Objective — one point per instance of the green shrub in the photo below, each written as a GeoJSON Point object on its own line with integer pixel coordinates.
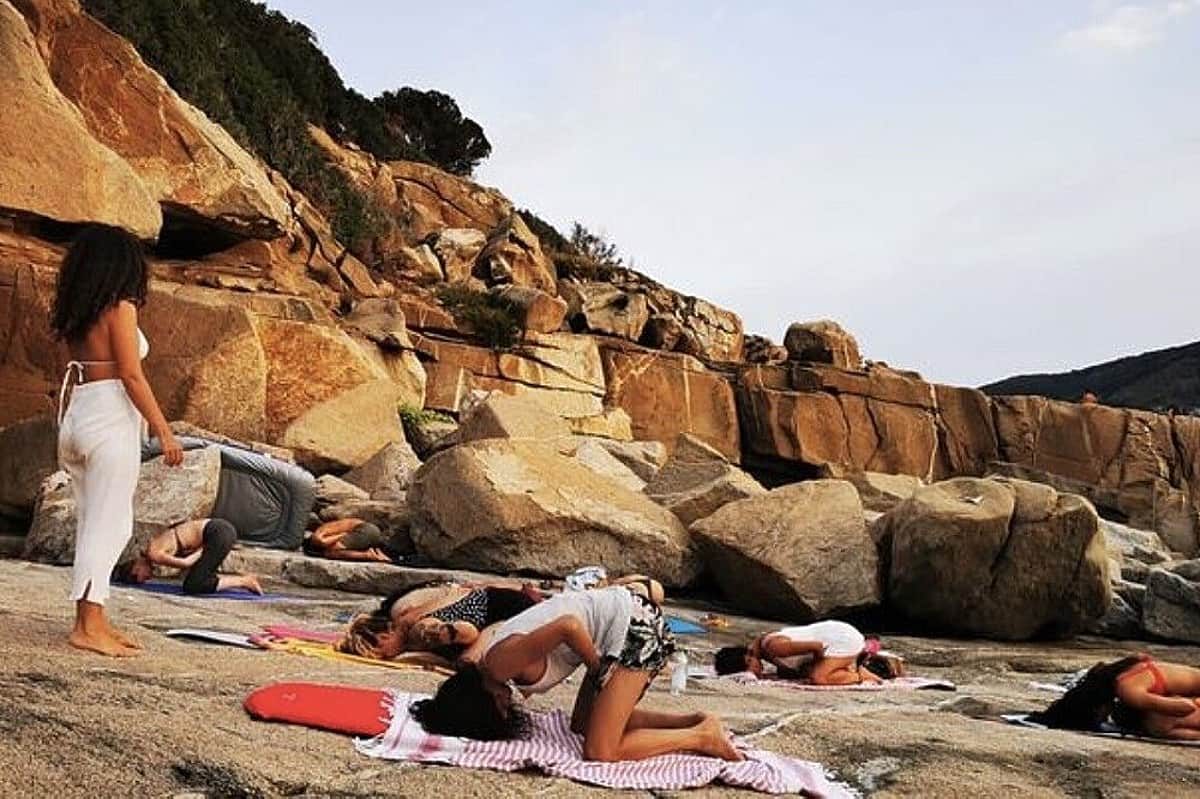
{"type": "Point", "coordinates": [264, 79]}
{"type": "Point", "coordinates": [497, 322]}
{"type": "Point", "coordinates": [412, 416]}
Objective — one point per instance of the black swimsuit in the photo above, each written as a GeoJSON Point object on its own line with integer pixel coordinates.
{"type": "Point", "coordinates": [484, 607]}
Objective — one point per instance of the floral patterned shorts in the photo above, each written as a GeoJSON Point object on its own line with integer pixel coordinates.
{"type": "Point", "coordinates": [648, 643]}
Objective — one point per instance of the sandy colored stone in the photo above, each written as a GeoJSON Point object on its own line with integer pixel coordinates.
{"type": "Point", "coordinates": [51, 165]}
{"type": "Point", "coordinates": [644, 458]}
{"type": "Point", "coordinates": [605, 309]}
{"type": "Point", "coordinates": [28, 455]}
{"type": "Point", "coordinates": [386, 474]}
{"type": "Point", "coordinates": [882, 492]}
{"type": "Point", "coordinates": [186, 161]}
{"type": "Point", "coordinates": [823, 341]}
{"type": "Point", "coordinates": [697, 480]}
{"type": "Point", "coordinates": [509, 504]}
{"type": "Point", "coordinates": [966, 432]}
{"type": "Point", "coordinates": [798, 553]}
{"type": "Point", "coordinates": [1003, 567]}
{"type": "Point", "coordinates": [504, 416]}
{"type": "Point", "coordinates": [611, 423]}
{"type": "Point", "coordinates": [514, 255]}
{"type": "Point", "coordinates": [164, 496]}
{"type": "Point", "coordinates": [595, 456]}
{"type": "Point", "coordinates": [456, 250]}
{"type": "Point", "coordinates": [666, 394]}
{"type": "Point", "coordinates": [540, 312]}
{"type": "Point", "coordinates": [431, 200]}
{"type": "Point", "coordinates": [1172, 606]}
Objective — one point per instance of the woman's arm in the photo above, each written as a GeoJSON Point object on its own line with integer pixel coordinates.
{"type": "Point", "coordinates": [330, 533]}
{"type": "Point", "coordinates": [172, 561]}
{"type": "Point", "coordinates": [512, 656]}
{"type": "Point", "coordinates": [123, 338]}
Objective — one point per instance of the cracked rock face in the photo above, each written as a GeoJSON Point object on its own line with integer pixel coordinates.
{"type": "Point", "coordinates": [1010, 560]}
{"type": "Point", "coordinates": [505, 505]}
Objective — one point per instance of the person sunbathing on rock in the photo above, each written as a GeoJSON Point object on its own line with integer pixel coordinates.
{"type": "Point", "coordinates": [443, 618]}
{"type": "Point", "coordinates": [1142, 695]}
{"type": "Point", "coordinates": [824, 653]}
{"type": "Point", "coordinates": [622, 640]}
{"type": "Point", "coordinates": [199, 548]}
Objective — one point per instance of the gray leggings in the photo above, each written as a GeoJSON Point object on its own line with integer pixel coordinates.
{"type": "Point", "coordinates": [219, 538]}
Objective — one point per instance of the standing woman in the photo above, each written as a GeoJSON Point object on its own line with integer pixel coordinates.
{"type": "Point", "coordinates": [102, 283]}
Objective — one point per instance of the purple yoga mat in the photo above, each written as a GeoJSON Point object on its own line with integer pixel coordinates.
{"type": "Point", "coordinates": [173, 589]}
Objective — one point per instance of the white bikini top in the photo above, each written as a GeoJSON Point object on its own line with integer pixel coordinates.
{"type": "Point", "coordinates": [78, 369]}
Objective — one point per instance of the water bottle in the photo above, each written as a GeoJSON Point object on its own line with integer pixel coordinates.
{"type": "Point", "coordinates": [679, 667]}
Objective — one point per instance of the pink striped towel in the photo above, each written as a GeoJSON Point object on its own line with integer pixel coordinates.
{"type": "Point", "coordinates": [897, 684]}
{"type": "Point", "coordinates": [555, 750]}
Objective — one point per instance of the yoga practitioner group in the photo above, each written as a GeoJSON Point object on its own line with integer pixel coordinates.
{"type": "Point", "coordinates": [502, 638]}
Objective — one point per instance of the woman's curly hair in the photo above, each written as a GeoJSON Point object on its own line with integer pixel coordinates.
{"type": "Point", "coordinates": [103, 266]}
{"type": "Point", "coordinates": [362, 636]}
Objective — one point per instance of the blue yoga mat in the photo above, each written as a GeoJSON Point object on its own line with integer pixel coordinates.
{"type": "Point", "coordinates": [683, 626]}
{"type": "Point", "coordinates": [172, 589]}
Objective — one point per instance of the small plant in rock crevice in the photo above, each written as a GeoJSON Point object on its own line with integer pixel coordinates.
{"type": "Point", "coordinates": [497, 322]}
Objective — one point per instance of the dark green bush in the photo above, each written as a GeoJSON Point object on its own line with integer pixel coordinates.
{"type": "Point", "coordinates": [496, 321]}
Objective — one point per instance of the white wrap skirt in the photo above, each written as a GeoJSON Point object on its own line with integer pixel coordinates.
{"type": "Point", "coordinates": [99, 445]}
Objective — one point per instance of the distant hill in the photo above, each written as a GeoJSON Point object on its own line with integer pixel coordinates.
{"type": "Point", "coordinates": [1153, 381]}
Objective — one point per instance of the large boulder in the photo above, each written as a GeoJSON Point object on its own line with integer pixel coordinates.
{"type": "Point", "coordinates": [509, 504]}
{"type": "Point", "coordinates": [595, 456]}
{"type": "Point", "coordinates": [667, 393]}
{"type": "Point", "coordinates": [882, 492]}
{"type": "Point", "coordinates": [387, 474]}
{"type": "Point", "coordinates": [1171, 608]}
{"type": "Point", "coordinates": [188, 163]}
{"type": "Point", "coordinates": [429, 200]}
{"type": "Point", "coordinates": [514, 255]}
{"type": "Point", "coordinates": [51, 165]}
{"type": "Point", "coordinates": [697, 480]}
{"type": "Point", "coordinates": [605, 309]}
{"type": "Point", "coordinates": [504, 416]}
{"type": "Point", "coordinates": [797, 553]}
{"type": "Point", "coordinates": [824, 341]}
{"type": "Point", "coordinates": [28, 455]}
{"type": "Point", "coordinates": [644, 458]}
{"type": "Point", "coordinates": [164, 496]}
{"type": "Point", "coordinates": [538, 311]}
{"type": "Point", "coordinates": [1008, 560]}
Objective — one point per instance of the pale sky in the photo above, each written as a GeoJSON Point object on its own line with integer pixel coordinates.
{"type": "Point", "coordinates": [974, 190]}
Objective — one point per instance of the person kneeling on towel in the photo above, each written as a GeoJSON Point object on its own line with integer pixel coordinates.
{"type": "Point", "coordinates": [824, 653]}
{"type": "Point", "coordinates": [199, 547]}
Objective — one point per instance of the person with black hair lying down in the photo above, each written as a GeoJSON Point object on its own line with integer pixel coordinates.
{"type": "Point", "coordinates": [618, 635]}
{"type": "Point", "coordinates": [350, 539]}
{"type": "Point", "coordinates": [1142, 695]}
{"type": "Point", "coordinates": [824, 653]}
{"type": "Point", "coordinates": [198, 547]}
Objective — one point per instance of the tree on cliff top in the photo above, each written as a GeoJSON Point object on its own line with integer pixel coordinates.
{"type": "Point", "coordinates": [263, 77]}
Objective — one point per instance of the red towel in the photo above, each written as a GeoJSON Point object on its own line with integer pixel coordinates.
{"type": "Point", "coordinates": [338, 708]}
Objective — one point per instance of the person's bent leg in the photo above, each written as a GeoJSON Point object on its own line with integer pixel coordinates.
{"type": "Point", "coordinates": [218, 539]}
{"type": "Point", "coordinates": [609, 736]}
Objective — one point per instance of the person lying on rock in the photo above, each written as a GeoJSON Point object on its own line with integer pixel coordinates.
{"type": "Point", "coordinates": [444, 618]}
{"type": "Point", "coordinates": [622, 640]}
{"type": "Point", "coordinates": [199, 548]}
{"type": "Point", "coordinates": [350, 539]}
{"type": "Point", "coordinates": [824, 653]}
{"type": "Point", "coordinates": [1142, 696]}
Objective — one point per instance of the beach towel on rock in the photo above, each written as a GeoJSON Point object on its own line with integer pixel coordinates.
{"type": "Point", "coordinates": [1107, 730]}
{"type": "Point", "coordinates": [552, 748]}
{"type": "Point", "coordinates": [897, 684]}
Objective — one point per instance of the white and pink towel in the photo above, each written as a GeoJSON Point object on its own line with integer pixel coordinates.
{"type": "Point", "coordinates": [897, 684]}
{"type": "Point", "coordinates": [555, 750]}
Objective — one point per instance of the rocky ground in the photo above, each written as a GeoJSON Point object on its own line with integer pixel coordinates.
{"type": "Point", "coordinates": [170, 723]}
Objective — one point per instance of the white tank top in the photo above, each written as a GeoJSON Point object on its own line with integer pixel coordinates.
{"type": "Point", "coordinates": [840, 640]}
{"type": "Point", "coordinates": [605, 615]}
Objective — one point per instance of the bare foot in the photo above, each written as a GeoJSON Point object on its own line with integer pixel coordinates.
{"type": "Point", "coordinates": [124, 638]}
{"type": "Point", "coordinates": [250, 583]}
{"type": "Point", "coordinates": [103, 644]}
{"type": "Point", "coordinates": [716, 740]}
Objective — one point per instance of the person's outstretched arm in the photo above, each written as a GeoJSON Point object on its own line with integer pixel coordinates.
{"type": "Point", "coordinates": [123, 335]}
{"type": "Point", "coordinates": [508, 659]}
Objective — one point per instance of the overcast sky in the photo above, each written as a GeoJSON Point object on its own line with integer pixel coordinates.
{"type": "Point", "coordinates": [974, 190]}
